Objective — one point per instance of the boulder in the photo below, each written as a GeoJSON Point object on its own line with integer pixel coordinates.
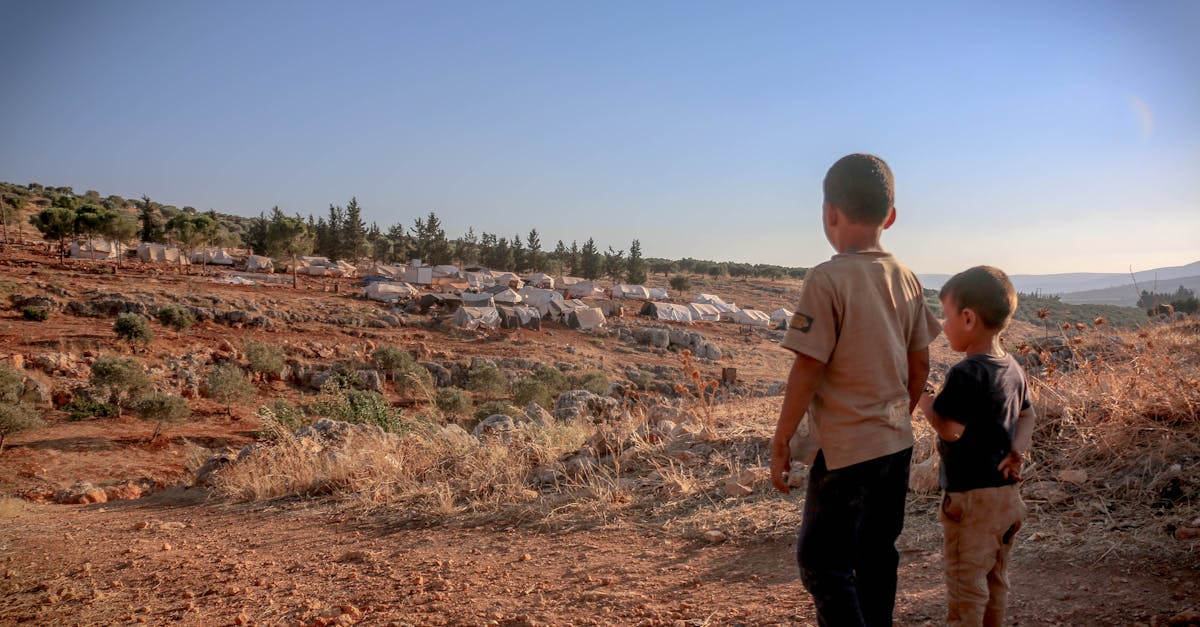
{"type": "Point", "coordinates": [538, 415]}
{"type": "Point", "coordinates": [658, 338]}
{"type": "Point", "coordinates": [441, 376]}
{"type": "Point", "coordinates": [81, 493]}
{"type": "Point", "coordinates": [35, 392]}
{"type": "Point", "coordinates": [582, 404]}
{"type": "Point", "coordinates": [494, 425]}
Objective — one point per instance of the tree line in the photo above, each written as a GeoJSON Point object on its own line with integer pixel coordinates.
{"type": "Point", "coordinates": [342, 234]}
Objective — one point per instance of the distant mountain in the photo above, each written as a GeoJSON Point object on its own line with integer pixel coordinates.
{"type": "Point", "coordinates": [1127, 295]}
{"type": "Point", "coordinates": [1167, 280]}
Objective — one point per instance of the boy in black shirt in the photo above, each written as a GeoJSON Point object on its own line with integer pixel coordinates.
{"type": "Point", "coordinates": [984, 423]}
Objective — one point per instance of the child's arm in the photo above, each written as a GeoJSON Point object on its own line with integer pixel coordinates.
{"type": "Point", "coordinates": [946, 429]}
{"type": "Point", "coordinates": [918, 372]}
{"type": "Point", "coordinates": [802, 384]}
{"type": "Point", "coordinates": [1010, 466]}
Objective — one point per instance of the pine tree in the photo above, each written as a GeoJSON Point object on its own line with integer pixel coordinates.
{"type": "Point", "coordinates": [534, 257]}
{"type": "Point", "coordinates": [518, 254]}
{"type": "Point", "coordinates": [560, 255]}
{"type": "Point", "coordinates": [574, 259]}
{"type": "Point", "coordinates": [353, 235]}
{"type": "Point", "coordinates": [635, 266]}
{"type": "Point", "coordinates": [614, 263]}
{"type": "Point", "coordinates": [589, 260]}
{"type": "Point", "coordinates": [151, 230]}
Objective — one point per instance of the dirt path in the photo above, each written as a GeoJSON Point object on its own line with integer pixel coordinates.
{"type": "Point", "coordinates": [174, 559]}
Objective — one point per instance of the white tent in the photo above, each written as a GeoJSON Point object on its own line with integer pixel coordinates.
{"type": "Point", "coordinates": [258, 263]}
{"type": "Point", "coordinates": [505, 296]}
{"type": "Point", "coordinates": [387, 292]}
{"type": "Point", "coordinates": [585, 318]}
{"type": "Point", "coordinates": [483, 299]}
{"type": "Point", "coordinates": [715, 301]}
{"type": "Point", "coordinates": [475, 317]}
{"type": "Point", "coordinates": [539, 298]}
{"type": "Point", "coordinates": [480, 279]}
{"type": "Point", "coordinates": [316, 261]}
{"type": "Point", "coordinates": [540, 279]}
{"type": "Point", "coordinates": [509, 279]}
{"type": "Point", "coordinates": [520, 316]}
{"type": "Point", "coordinates": [584, 289]}
{"type": "Point", "coordinates": [212, 257]}
{"type": "Point", "coordinates": [703, 312]}
{"type": "Point", "coordinates": [752, 317]}
{"type": "Point", "coordinates": [342, 268]}
{"type": "Point", "coordinates": [638, 292]}
{"type": "Point", "coordinates": [659, 293]}
{"type": "Point", "coordinates": [159, 253]}
{"type": "Point", "coordinates": [567, 281]}
{"type": "Point", "coordinates": [666, 311]}
{"type": "Point", "coordinates": [561, 309]}
{"type": "Point", "coordinates": [445, 270]}
{"type": "Point", "coordinates": [780, 316]}
{"type": "Point", "coordinates": [94, 249]}
{"type": "Point", "coordinates": [378, 269]}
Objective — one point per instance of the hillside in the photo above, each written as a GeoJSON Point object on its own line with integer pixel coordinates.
{"type": "Point", "coordinates": [1127, 295]}
{"type": "Point", "coordinates": [1050, 284]}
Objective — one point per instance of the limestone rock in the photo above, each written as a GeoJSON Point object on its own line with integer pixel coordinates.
{"type": "Point", "coordinates": [582, 404]}
{"type": "Point", "coordinates": [494, 425]}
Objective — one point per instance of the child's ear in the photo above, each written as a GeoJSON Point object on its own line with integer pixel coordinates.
{"type": "Point", "coordinates": [891, 218]}
{"type": "Point", "coordinates": [969, 318]}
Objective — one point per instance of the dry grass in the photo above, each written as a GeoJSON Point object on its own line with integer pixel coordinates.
{"type": "Point", "coordinates": [10, 507]}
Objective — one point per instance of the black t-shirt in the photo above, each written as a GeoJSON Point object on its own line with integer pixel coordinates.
{"type": "Point", "coordinates": [986, 394]}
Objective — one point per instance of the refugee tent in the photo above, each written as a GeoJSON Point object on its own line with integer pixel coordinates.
{"type": "Point", "coordinates": [445, 270]}
{"type": "Point", "coordinates": [98, 249]}
{"type": "Point", "coordinates": [540, 279]}
{"type": "Point", "coordinates": [560, 309]}
{"type": "Point", "coordinates": [539, 298]}
{"type": "Point", "coordinates": [212, 257]}
{"type": "Point", "coordinates": [585, 318]}
{"type": "Point", "coordinates": [315, 261]}
{"type": "Point", "coordinates": [474, 317]}
{"type": "Point", "coordinates": [638, 292]}
{"type": "Point", "coordinates": [503, 295]}
{"type": "Point", "coordinates": [520, 316]}
{"type": "Point", "coordinates": [752, 317]}
{"type": "Point", "coordinates": [715, 301]}
{"type": "Point", "coordinates": [472, 299]}
{"type": "Point", "coordinates": [258, 263]}
{"type": "Point", "coordinates": [584, 289]}
{"type": "Point", "coordinates": [342, 268]}
{"type": "Point", "coordinates": [387, 292]}
{"type": "Point", "coordinates": [158, 253]}
{"type": "Point", "coordinates": [479, 279]}
{"type": "Point", "coordinates": [666, 311]}
{"type": "Point", "coordinates": [445, 302]}
{"type": "Point", "coordinates": [780, 317]}
{"type": "Point", "coordinates": [703, 312]}
{"type": "Point", "coordinates": [658, 293]}
{"type": "Point", "coordinates": [611, 308]}
{"type": "Point", "coordinates": [422, 275]}
{"type": "Point", "coordinates": [567, 281]}
{"type": "Point", "coordinates": [508, 279]}
{"type": "Point", "coordinates": [380, 270]}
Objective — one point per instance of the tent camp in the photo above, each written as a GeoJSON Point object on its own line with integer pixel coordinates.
{"type": "Point", "coordinates": [444, 302]}
{"type": "Point", "coordinates": [94, 249]}
{"type": "Point", "coordinates": [381, 270]}
{"type": "Point", "coordinates": [212, 257]}
{"type": "Point", "coordinates": [567, 281]}
{"type": "Point", "coordinates": [540, 279]}
{"type": "Point", "coordinates": [611, 308]}
{"type": "Point", "coordinates": [666, 311]}
{"type": "Point", "coordinates": [520, 316]}
{"type": "Point", "coordinates": [259, 263]}
{"type": "Point", "coordinates": [503, 295]}
{"type": "Point", "coordinates": [702, 312]}
{"type": "Point", "coordinates": [475, 317]}
{"type": "Point", "coordinates": [444, 271]}
{"type": "Point", "coordinates": [638, 292]}
{"type": "Point", "coordinates": [539, 298]}
{"type": "Point", "coordinates": [752, 317]}
{"type": "Point", "coordinates": [715, 301]}
{"type": "Point", "coordinates": [658, 293]}
{"type": "Point", "coordinates": [387, 292]}
{"type": "Point", "coordinates": [472, 299]}
{"type": "Point", "coordinates": [159, 253]}
{"type": "Point", "coordinates": [584, 289]}
{"type": "Point", "coordinates": [479, 279]}
{"type": "Point", "coordinates": [585, 318]}
{"type": "Point", "coordinates": [560, 309]}
{"type": "Point", "coordinates": [780, 317]}
{"type": "Point", "coordinates": [508, 279]}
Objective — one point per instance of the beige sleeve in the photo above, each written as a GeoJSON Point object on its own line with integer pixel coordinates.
{"type": "Point", "coordinates": [813, 329]}
{"type": "Point", "coordinates": [925, 328]}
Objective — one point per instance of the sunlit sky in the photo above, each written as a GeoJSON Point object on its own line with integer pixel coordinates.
{"type": "Point", "coordinates": [1040, 137]}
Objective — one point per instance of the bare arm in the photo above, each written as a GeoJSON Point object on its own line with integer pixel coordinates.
{"type": "Point", "coordinates": [1010, 466]}
{"type": "Point", "coordinates": [918, 373]}
{"type": "Point", "coordinates": [802, 384]}
{"type": "Point", "coordinates": [946, 429]}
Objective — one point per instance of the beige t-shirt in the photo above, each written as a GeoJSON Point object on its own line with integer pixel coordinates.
{"type": "Point", "coordinates": [861, 314]}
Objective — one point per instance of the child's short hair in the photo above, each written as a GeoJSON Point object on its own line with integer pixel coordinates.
{"type": "Point", "coordinates": [861, 186]}
{"type": "Point", "coordinates": [986, 291]}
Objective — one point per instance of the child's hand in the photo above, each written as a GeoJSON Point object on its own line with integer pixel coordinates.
{"type": "Point", "coordinates": [1010, 466]}
{"type": "Point", "coordinates": [925, 402]}
{"type": "Point", "coordinates": [781, 465]}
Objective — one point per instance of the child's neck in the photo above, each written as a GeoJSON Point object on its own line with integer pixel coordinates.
{"type": "Point", "coordinates": [859, 239]}
{"type": "Point", "coordinates": [987, 344]}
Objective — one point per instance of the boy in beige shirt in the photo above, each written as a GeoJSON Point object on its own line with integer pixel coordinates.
{"type": "Point", "coordinates": [861, 334]}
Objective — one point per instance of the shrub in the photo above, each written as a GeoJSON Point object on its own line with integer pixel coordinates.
{"type": "Point", "coordinates": [391, 359]}
{"type": "Point", "coordinates": [265, 359]}
{"type": "Point", "coordinates": [15, 416]}
{"type": "Point", "coordinates": [122, 381]}
{"type": "Point", "coordinates": [532, 390]}
{"type": "Point", "coordinates": [164, 408]}
{"type": "Point", "coordinates": [681, 283]}
{"type": "Point", "coordinates": [453, 401]}
{"type": "Point", "coordinates": [496, 407]}
{"type": "Point", "coordinates": [553, 378]}
{"type": "Point", "coordinates": [413, 380]}
{"type": "Point", "coordinates": [35, 313]}
{"type": "Point", "coordinates": [176, 317]}
{"type": "Point", "coordinates": [488, 381]}
{"type": "Point", "coordinates": [226, 383]}
{"type": "Point", "coordinates": [279, 417]}
{"type": "Point", "coordinates": [593, 381]}
{"type": "Point", "coordinates": [356, 406]}
{"type": "Point", "coordinates": [83, 406]}
{"type": "Point", "coordinates": [133, 328]}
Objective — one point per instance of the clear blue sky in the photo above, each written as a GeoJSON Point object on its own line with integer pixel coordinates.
{"type": "Point", "coordinates": [1037, 136]}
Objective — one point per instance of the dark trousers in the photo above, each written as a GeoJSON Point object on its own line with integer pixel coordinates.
{"type": "Point", "coordinates": [847, 545]}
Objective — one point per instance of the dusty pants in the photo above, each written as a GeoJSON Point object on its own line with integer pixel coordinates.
{"type": "Point", "coordinates": [979, 526]}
